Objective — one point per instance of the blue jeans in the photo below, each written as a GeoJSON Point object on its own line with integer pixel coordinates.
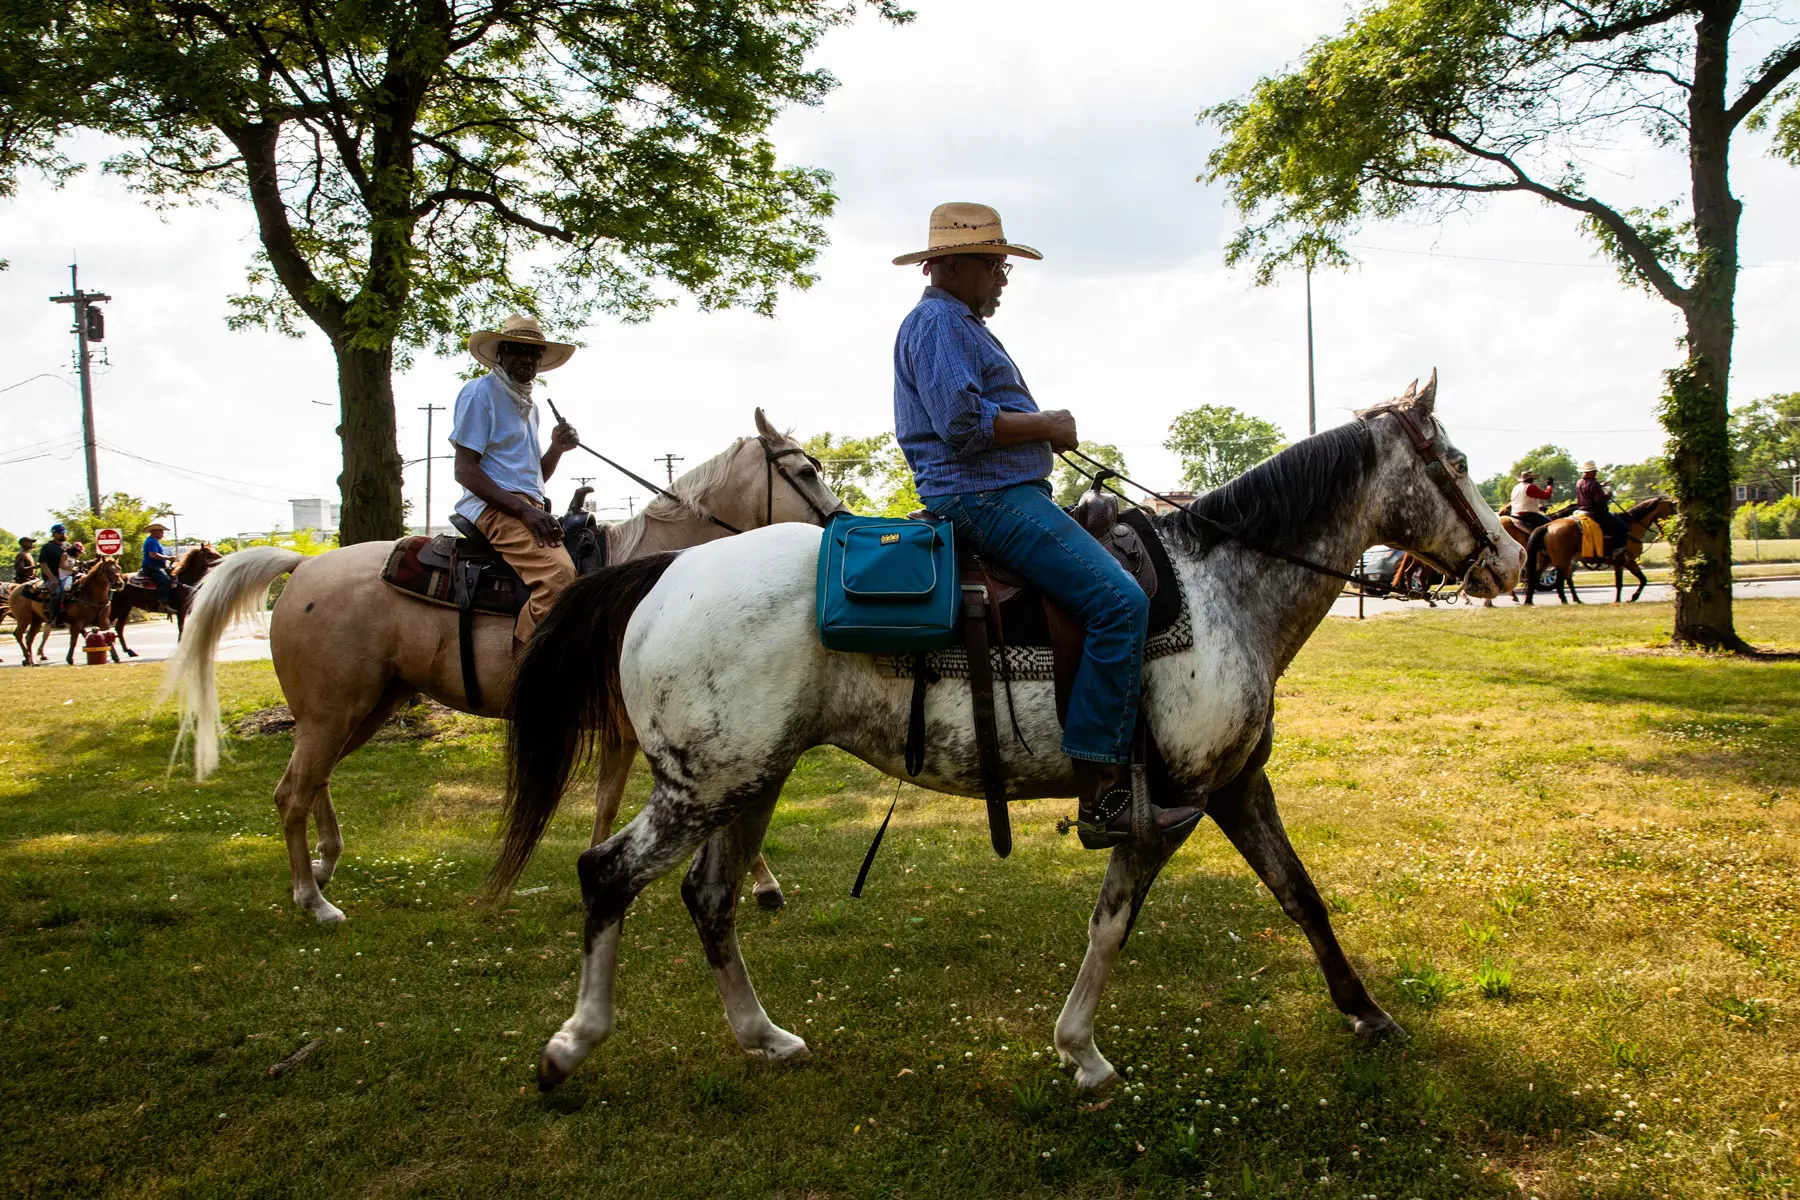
{"type": "Point", "coordinates": [1022, 529]}
{"type": "Point", "coordinates": [159, 575]}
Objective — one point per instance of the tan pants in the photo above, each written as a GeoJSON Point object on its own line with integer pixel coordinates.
{"type": "Point", "coordinates": [546, 570]}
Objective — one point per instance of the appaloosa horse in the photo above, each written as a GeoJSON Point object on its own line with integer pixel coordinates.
{"type": "Point", "coordinates": [139, 592]}
{"type": "Point", "coordinates": [85, 604]}
{"type": "Point", "coordinates": [349, 649]}
{"type": "Point", "coordinates": [712, 661]}
{"type": "Point", "coordinates": [1559, 544]}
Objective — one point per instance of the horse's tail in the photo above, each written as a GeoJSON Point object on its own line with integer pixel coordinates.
{"type": "Point", "coordinates": [565, 699]}
{"type": "Point", "coordinates": [1534, 549]}
{"type": "Point", "coordinates": [236, 590]}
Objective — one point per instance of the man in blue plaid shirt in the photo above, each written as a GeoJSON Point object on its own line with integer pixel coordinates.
{"type": "Point", "coordinates": [980, 452]}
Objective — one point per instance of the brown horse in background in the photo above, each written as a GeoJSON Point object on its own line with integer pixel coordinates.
{"type": "Point", "coordinates": [139, 592]}
{"type": "Point", "coordinates": [1559, 543]}
{"type": "Point", "coordinates": [84, 605]}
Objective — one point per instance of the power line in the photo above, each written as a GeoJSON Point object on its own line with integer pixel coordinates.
{"type": "Point", "coordinates": [41, 375]}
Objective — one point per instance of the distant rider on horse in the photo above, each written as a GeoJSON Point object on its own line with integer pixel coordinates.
{"type": "Point", "coordinates": [24, 567]}
{"type": "Point", "coordinates": [1593, 498]}
{"type": "Point", "coordinates": [156, 562]}
{"type": "Point", "coordinates": [51, 560]}
{"type": "Point", "coordinates": [1528, 499]}
{"type": "Point", "coordinates": [980, 453]}
{"type": "Point", "coordinates": [501, 466]}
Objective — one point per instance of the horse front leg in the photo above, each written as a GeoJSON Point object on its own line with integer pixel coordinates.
{"type": "Point", "coordinates": [1642, 579]}
{"type": "Point", "coordinates": [1128, 878]}
{"type": "Point", "coordinates": [1247, 816]}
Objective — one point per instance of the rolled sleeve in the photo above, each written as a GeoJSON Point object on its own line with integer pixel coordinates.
{"type": "Point", "coordinates": [472, 424]}
{"type": "Point", "coordinates": [947, 374]}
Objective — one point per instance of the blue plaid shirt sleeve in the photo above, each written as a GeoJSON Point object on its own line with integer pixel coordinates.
{"type": "Point", "coordinates": [945, 361]}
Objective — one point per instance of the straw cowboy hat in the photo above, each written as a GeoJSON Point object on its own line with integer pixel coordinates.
{"type": "Point", "coordinates": [1588, 466]}
{"type": "Point", "coordinates": [156, 527]}
{"type": "Point", "coordinates": [523, 330]}
{"type": "Point", "coordinates": [1527, 476]}
{"type": "Point", "coordinates": [958, 228]}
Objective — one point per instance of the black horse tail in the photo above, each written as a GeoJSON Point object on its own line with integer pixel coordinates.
{"type": "Point", "coordinates": [565, 699]}
{"type": "Point", "coordinates": [1534, 549]}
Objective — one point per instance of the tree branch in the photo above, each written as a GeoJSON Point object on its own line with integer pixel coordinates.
{"type": "Point", "coordinates": [1775, 71]}
{"type": "Point", "coordinates": [506, 212]}
{"type": "Point", "coordinates": [256, 143]}
{"type": "Point", "coordinates": [1642, 256]}
{"type": "Point", "coordinates": [1606, 33]}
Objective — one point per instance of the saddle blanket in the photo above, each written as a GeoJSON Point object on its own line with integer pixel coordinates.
{"type": "Point", "coordinates": [1593, 538]}
{"type": "Point", "coordinates": [420, 567]}
{"type": "Point", "coordinates": [1031, 662]}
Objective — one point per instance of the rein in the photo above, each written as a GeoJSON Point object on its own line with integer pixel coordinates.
{"type": "Point", "coordinates": [1435, 467]}
{"type": "Point", "coordinates": [771, 464]}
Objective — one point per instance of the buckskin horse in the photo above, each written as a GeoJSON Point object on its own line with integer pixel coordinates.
{"type": "Point", "coordinates": [712, 661]}
{"type": "Point", "coordinates": [349, 650]}
{"type": "Point", "coordinates": [1559, 544]}
{"type": "Point", "coordinates": [139, 592]}
{"type": "Point", "coordinates": [85, 603]}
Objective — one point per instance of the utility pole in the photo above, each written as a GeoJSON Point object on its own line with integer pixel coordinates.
{"type": "Point", "coordinates": [630, 507]}
{"type": "Point", "coordinates": [428, 409]}
{"type": "Point", "coordinates": [669, 461]}
{"type": "Point", "coordinates": [175, 523]}
{"type": "Point", "coordinates": [90, 325]}
{"type": "Point", "coordinates": [1312, 408]}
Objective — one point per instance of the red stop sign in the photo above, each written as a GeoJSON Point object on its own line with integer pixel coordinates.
{"type": "Point", "coordinates": [108, 541]}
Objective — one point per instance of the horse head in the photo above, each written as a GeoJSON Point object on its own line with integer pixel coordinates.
{"type": "Point", "coordinates": [761, 480]}
{"type": "Point", "coordinates": [1429, 504]}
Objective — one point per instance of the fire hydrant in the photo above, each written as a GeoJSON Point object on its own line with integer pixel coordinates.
{"type": "Point", "coordinates": [97, 644]}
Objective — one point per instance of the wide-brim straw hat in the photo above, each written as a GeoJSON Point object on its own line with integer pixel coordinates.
{"type": "Point", "coordinates": [156, 527]}
{"type": "Point", "coordinates": [960, 228]}
{"type": "Point", "coordinates": [1588, 466]}
{"type": "Point", "coordinates": [484, 343]}
{"type": "Point", "coordinates": [1527, 476]}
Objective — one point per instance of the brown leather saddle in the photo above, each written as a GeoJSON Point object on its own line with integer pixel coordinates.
{"type": "Point", "coordinates": [999, 608]}
{"type": "Point", "coordinates": [469, 574]}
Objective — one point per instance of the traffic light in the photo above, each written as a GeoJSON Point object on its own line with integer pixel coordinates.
{"type": "Point", "coordinates": [96, 324]}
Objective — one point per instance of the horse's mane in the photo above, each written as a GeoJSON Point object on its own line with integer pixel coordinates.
{"type": "Point", "coordinates": [690, 491]}
{"type": "Point", "coordinates": [1283, 501]}
{"type": "Point", "coordinates": [181, 562]}
{"type": "Point", "coordinates": [1641, 510]}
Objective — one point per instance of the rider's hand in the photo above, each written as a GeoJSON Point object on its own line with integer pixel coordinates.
{"type": "Point", "coordinates": [544, 527]}
{"type": "Point", "coordinates": [1062, 430]}
{"type": "Point", "coordinates": [564, 437]}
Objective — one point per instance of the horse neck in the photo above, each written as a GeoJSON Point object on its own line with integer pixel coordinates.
{"type": "Point", "coordinates": [1276, 605]}
{"type": "Point", "coordinates": [647, 534]}
{"type": "Point", "coordinates": [642, 535]}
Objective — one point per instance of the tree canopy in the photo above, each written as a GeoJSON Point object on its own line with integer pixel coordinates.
{"type": "Point", "coordinates": [1550, 462]}
{"type": "Point", "coordinates": [417, 168]}
{"type": "Point", "coordinates": [128, 514]}
{"type": "Point", "coordinates": [1427, 106]}
{"type": "Point", "coordinates": [1217, 443]}
{"type": "Point", "coordinates": [1765, 437]}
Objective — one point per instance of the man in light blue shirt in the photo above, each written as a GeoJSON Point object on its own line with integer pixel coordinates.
{"type": "Point", "coordinates": [501, 466]}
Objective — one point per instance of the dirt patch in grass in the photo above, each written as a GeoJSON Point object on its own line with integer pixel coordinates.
{"type": "Point", "coordinates": [423, 721]}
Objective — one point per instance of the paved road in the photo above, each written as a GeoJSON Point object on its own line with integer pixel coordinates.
{"type": "Point", "coordinates": [1656, 593]}
{"type": "Point", "coordinates": [154, 640]}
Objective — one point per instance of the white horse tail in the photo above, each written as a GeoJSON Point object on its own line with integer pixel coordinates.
{"type": "Point", "coordinates": [237, 589]}
{"type": "Point", "coordinates": [565, 698]}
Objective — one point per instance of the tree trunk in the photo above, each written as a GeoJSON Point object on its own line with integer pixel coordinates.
{"type": "Point", "coordinates": [1695, 409]}
{"type": "Point", "coordinates": [370, 483]}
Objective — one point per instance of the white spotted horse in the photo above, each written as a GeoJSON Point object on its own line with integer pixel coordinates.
{"type": "Point", "coordinates": [711, 659]}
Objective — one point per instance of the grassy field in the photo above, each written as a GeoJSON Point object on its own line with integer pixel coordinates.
{"type": "Point", "coordinates": [1743, 550]}
{"type": "Point", "coordinates": [1564, 858]}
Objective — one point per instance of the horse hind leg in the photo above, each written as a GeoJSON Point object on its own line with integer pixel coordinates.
{"type": "Point", "coordinates": [1248, 817]}
{"type": "Point", "coordinates": [711, 894]}
{"type": "Point", "coordinates": [330, 845]}
{"type": "Point", "coordinates": [667, 830]}
{"type": "Point", "coordinates": [307, 777]}
{"type": "Point", "coordinates": [1129, 875]}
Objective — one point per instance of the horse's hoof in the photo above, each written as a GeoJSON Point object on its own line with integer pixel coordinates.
{"type": "Point", "coordinates": [1379, 1027]}
{"type": "Point", "coordinates": [769, 900]}
{"type": "Point", "coordinates": [131, 653]}
{"type": "Point", "coordinates": [780, 1046]}
{"type": "Point", "coordinates": [558, 1060]}
{"type": "Point", "coordinates": [1095, 1081]}
{"type": "Point", "coordinates": [327, 913]}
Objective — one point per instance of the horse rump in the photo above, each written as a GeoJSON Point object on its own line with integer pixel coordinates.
{"type": "Point", "coordinates": [565, 699]}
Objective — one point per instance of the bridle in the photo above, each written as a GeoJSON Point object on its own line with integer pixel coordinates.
{"type": "Point", "coordinates": [1443, 475]}
{"type": "Point", "coordinates": [772, 465]}
{"type": "Point", "coordinates": [1437, 467]}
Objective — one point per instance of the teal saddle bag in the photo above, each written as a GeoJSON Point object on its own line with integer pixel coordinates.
{"type": "Point", "coordinates": [887, 585]}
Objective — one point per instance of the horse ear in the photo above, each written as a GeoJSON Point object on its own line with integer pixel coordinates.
{"type": "Point", "coordinates": [763, 427]}
{"type": "Point", "coordinates": [1427, 398]}
{"type": "Point", "coordinates": [1412, 389]}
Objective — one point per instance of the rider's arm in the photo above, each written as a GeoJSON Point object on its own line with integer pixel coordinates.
{"type": "Point", "coordinates": [482, 486]}
{"type": "Point", "coordinates": [945, 357]}
{"type": "Point", "coordinates": [1056, 427]}
{"type": "Point", "coordinates": [563, 437]}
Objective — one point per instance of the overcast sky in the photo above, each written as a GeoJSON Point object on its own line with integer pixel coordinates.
{"type": "Point", "coordinates": [1078, 123]}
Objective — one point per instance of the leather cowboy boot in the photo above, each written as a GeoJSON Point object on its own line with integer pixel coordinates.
{"type": "Point", "coordinates": [1103, 815]}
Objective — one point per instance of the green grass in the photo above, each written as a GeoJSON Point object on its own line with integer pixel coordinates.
{"type": "Point", "coordinates": [1562, 856]}
{"type": "Point", "coordinates": [1743, 550]}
